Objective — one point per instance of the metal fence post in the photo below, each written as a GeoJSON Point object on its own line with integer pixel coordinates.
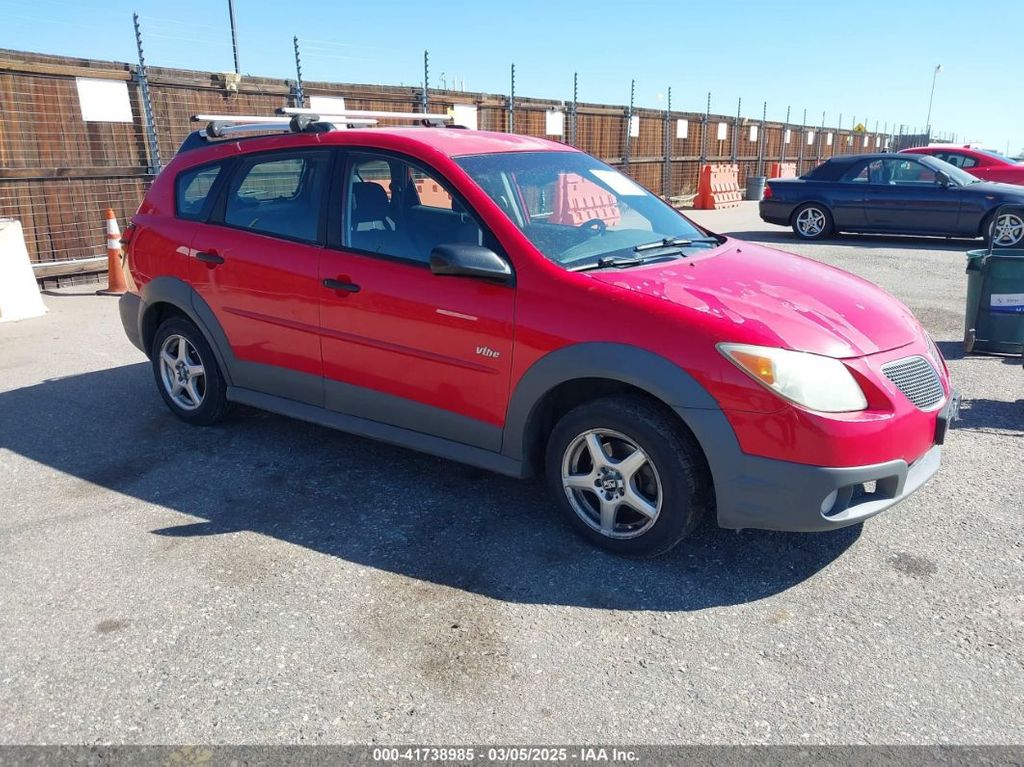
{"type": "Point", "coordinates": [666, 142]}
{"type": "Point", "coordinates": [782, 138]}
{"type": "Point", "coordinates": [512, 104]}
{"type": "Point", "coordinates": [572, 108]}
{"type": "Point", "coordinates": [425, 93]}
{"type": "Point", "coordinates": [761, 138]}
{"type": "Point", "coordinates": [147, 104]}
{"type": "Point", "coordinates": [803, 140]}
{"type": "Point", "coordinates": [300, 97]}
{"type": "Point", "coordinates": [736, 132]}
{"type": "Point", "coordinates": [629, 125]}
{"type": "Point", "coordinates": [821, 137]}
{"type": "Point", "coordinates": [704, 133]}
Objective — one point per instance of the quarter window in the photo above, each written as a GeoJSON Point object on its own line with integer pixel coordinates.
{"type": "Point", "coordinates": [279, 195]}
{"type": "Point", "coordinates": [192, 189]}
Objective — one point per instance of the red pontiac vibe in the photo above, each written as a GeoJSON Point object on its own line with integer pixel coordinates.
{"type": "Point", "coordinates": [981, 163]}
{"type": "Point", "coordinates": [515, 304]}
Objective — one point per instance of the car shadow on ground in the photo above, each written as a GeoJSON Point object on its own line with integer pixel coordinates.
{"type": "Point", "coordinates": [375, 504]}
{"type": "Point", "coordinates": [784, 237]}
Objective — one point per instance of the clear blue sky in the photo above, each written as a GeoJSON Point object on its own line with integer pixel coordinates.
{"type": "Point", "coordinates": [869, 58]}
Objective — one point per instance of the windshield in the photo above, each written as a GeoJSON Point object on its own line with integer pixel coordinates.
{"type": "Point", "coordinates": [579, 212]}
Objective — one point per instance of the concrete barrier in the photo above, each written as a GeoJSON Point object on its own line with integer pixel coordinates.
{"type": "Point", "coordinates": [19, 292]}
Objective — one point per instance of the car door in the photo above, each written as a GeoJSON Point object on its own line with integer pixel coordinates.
{"type": "Point", "coordinates": [848, 197]}
{"type": "Point", "coordinates": [256, 264]}
{"type": "Point", "coordinates": [903, 196]}
{"type": "Point", "coordinates": [402, 345]}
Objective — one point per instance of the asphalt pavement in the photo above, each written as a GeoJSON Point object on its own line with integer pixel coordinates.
{"type": "Point", "coordinates": [269, 581]}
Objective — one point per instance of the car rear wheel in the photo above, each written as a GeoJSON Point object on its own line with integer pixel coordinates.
{"type": "Point", "coordinates": [1008, 230]}
{"type": "Point", "coordinates": [187, 374]}
{"type": "Point", "coordinates": [627, 475]}
{"type": "Point", "coordinates": [812, 222]}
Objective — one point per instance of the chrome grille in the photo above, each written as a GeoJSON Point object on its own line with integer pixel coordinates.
{"type": "Point", "coordinates": [917, 379]}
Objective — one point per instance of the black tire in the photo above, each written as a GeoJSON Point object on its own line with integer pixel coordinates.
{"type": "Point", "coordinates": [213, 402]}
{"type": "Point", "coordinates": [674, 461]}
{"type": "Point", "coordinates": [827, 228]}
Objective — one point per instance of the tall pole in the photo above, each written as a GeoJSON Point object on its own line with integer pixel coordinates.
{"type": "Point", "coordinates": [736, 132]}
{"type": "Point", "coordinates": [666, 144]}
{"type": "Point", "coordinates": [147, 103]}
{"type": "Point", "coordinates": [572, 108]}
{"type": "Point", "coordinates": [300, 97]}
{"type": "Point", "coordinates": [234, 34]}
{"type": "Point", "coordinates": [761, 139]}
{"type": "Point", "coordinates": [512, 104]}
{"type": "Point", "coordinates": [704, 132]}
{"type": "Point", "coordinates": [425, 93]}
{"type": "Point", "coordinates": [629, 123]}
{"type": "Point", "coordinates": [931, 98]}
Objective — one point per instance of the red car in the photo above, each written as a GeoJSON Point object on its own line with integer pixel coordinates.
{"type": "Point", "coordinates": [986, 165]}
{"type": "Point", "coordinates": [516, 304]}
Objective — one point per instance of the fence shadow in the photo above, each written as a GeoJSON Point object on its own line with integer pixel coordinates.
{"type": "Point", "coordinates": [377, 505]}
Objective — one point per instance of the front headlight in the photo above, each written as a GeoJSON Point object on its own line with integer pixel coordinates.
{"type": "Point", "coordinates": [816, 382]}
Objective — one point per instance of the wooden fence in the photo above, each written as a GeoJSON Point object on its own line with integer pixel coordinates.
{"type": "Point", "coordinates": [58, 173]}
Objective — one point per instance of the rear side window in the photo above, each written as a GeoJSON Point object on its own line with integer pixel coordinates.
{"type": "Point", "coordinates": [279, 195]}
{"type": "Point", "coordinates": [192, 190]}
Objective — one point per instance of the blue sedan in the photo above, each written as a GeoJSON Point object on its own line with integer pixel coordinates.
{"type": "Point", "coordinates": [893, 194]}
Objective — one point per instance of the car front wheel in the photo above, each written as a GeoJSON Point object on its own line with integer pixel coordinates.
{"type": "Point", "coordinates": [812, 222]}
{"type": "Point", "coordinates": [627, 475]}
{"type": "Point", "coordinates": [1008, 230]}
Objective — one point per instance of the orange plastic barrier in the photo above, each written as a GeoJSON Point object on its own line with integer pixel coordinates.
{"type": "Point", "coordinates": [719, 187]}
{"type": "Point", "coordinates": [782, 170]}
{"type": "Point", "coordinates": [577, 200]}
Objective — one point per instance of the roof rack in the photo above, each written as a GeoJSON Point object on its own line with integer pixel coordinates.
{"type": "Point", "coordinates": [296, 120]}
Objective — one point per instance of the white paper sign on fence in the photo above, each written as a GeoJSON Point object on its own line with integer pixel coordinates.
{"type": "Point", "coordinates": [828, 139]}
{"type": "Point", "coordinates": [327, 105]}
{"type": "Point", "coordinates": [554, 122]}
{"type": "Point", "coordinates": [753, 133]}
{"type": "Point", "coordinates": [789, 135]}
{"type": "Point", "coordinates": [104, 101]}
{"type": "Point", "coordinates": [464, 114]}
{"type": "Point", "coordinates": [634, 126]}
{"type": "Point", "coordinates": [682, 128]}
{"type": "Point", "coordinates": [810, 137]}
{"type": "Point", "coordinates": [723, 131]}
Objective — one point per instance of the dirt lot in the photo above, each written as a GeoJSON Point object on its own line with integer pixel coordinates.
{"type": "Point", "coordinates": [269, 581]}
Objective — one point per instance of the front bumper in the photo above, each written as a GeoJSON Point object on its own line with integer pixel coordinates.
{"type": "Point", "coordinates": [769, 494]}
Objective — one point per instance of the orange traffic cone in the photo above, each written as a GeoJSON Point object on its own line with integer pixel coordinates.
{"type": "Point", "coordinates": [116, 285]}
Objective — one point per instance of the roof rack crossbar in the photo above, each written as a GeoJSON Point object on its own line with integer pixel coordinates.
{"type": "Point", "coordinates": [424, 118]}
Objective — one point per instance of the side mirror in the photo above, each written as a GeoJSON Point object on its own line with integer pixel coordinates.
{"type": "Point", "coordinates": [943, 179]}
{"type": "Point", "coordinates": [460, 260]}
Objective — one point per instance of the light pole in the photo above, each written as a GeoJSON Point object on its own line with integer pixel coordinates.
{"type": "Point", "coordinates": [234, 35]}
{"type": "Point", "coordinates": [931, 98]}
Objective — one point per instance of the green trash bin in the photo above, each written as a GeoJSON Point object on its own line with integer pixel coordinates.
{"type": "Point", "coordinates": [994, 320]}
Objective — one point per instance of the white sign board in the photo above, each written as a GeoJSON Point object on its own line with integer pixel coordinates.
{"type": "Point", "coordinates": [464, 114]}
{"type": "Point", "coordinates": [554, 122]}
{"type": "Point", "coordinates": [753, 133]}
{"type": "Point", "coordinates": [634, 126]}
{"type": "Point", "coordinates": [723, 131]}
{"type": "Point", "coordinates": [104, 101]}
{"type": "Point", "coordinates": [810, 137]}
{"type": "Point", "coordinates": [682, 128]}
{"type": "Point", "coordinates": [867, 141]}
{"type": "Point", "coordinates": [789, 135]}
{"type": "Point", "coordinates": [327, 105]}
{"type": "Point", "coordinates": [828, 139]}
{"type": "Point", "coordinates": [878, 141]}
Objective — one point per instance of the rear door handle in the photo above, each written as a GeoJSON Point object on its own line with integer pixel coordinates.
{"type": "Point", "coordinates": [348, 287]}
{"type": "Point", "coordinates": [209, 258]}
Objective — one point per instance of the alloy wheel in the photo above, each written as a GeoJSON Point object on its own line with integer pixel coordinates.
{"type": "Point", "coordinates": [1008, 230]}
{"type": "Point", "coordinates": [811, 222]}
{"type": "Point", "coordinates": [611, 483]}
{"type": "Point", "coordinates": [182, 372]}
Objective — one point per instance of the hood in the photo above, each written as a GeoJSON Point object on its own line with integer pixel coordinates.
{"type": "Point", "coordinates": [763, 296]}
{"type": "Point", "coordinates": [997, 189]}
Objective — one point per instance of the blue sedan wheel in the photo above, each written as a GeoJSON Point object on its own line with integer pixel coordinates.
{"type": "Point", "coordinates": [1008, 230]}
{"type": "Point", "coordinates": [812, 222]}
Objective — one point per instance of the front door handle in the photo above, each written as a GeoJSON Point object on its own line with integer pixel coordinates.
{"type": "Point", "coordinates": [348, 287]}
{"type": "Point", "coordinates": [209, 258]}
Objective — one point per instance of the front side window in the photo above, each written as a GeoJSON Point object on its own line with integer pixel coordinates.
{"type": "Point", "coordinates": [396, 209]}
{"type": "Point", "coordinates": [192, 190]}
{"type": "Point", "coordinates": [576, 210]}
{"type": "Point", "coordinates": [277, 195]}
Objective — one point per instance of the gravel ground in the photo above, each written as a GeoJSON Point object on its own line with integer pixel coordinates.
{"type": "Point", "coordinates": [268, 581]}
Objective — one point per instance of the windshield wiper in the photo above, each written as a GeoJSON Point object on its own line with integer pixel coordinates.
{"type": "Point", "coordinates": [621, 262]}
{"type": "Point", "coordinates": [675, 242]}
